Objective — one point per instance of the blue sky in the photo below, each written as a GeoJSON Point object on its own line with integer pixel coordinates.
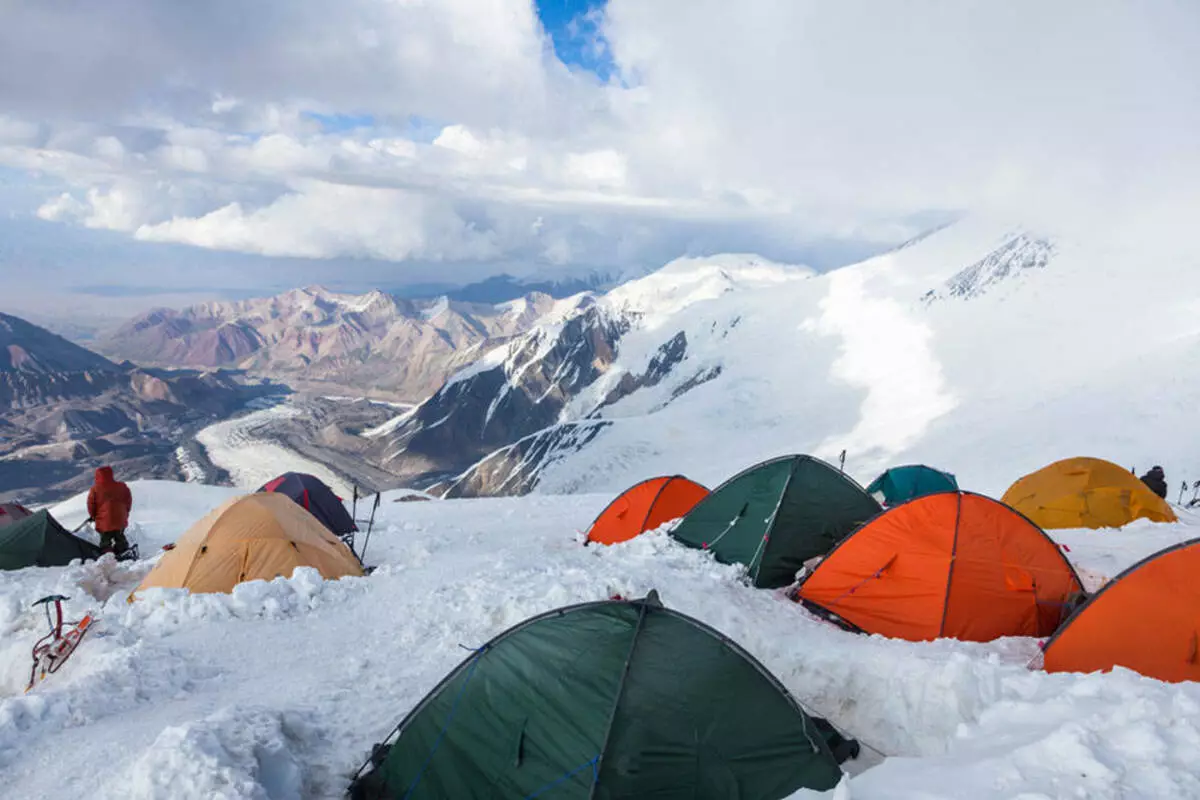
{"type": "Point", "coordinates": [572, 28]}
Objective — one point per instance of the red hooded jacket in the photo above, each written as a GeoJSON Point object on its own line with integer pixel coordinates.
{"type": "Point", "coordinates": [109, 502]}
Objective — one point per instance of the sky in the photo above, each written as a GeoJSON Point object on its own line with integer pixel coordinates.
{"type": "Point", "coordinates": [229, 148]}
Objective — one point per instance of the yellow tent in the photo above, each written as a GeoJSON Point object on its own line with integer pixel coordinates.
{"type": "Point", "coordinates": [256, 536]}
{"type": "Point", "coordinates": [1086, 493]}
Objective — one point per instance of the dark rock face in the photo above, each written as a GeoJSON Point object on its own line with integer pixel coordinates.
{"type": "Point", "coordinates": [668, 356]}
{"type": "Point", "coordinates": [65, 410]}
{"type": "Point", "coordinates": [473, 415]}
{"type": "Point", "coordinates": [516, 469]}
{"type": "Point", "coordinates": [29, 350]}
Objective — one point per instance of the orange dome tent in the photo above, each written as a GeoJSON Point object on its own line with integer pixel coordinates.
{"type": "Point", "coordinates": [1146, 619]}
{"type": "Point", "coordinates": [1086, 493]}
{"type": "Point", "coordinates": [953, 564]}
{"type": "Point", "coordinates": [645, 506]}
{"type": "Point", "coordinates": [257, 536]}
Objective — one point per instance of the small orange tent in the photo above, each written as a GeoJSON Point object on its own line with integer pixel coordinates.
{"type": "Point", "coordinates": [645, 506]}
{"type": "Point", "coordinates": [1146, 619]}
{"type": "Point", "coordinates": [953, 564]}
{"type": "Point", "coordinates": [1086, 493]}
{"type": "Point", "coordinates": [256, 536]}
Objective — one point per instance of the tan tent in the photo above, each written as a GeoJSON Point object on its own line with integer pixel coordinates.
{"type": "Point", "coordinates": [257, 536]}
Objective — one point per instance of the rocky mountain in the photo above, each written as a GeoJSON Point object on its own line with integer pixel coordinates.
{"type": "Point", "coordinates": [27, 349]}
{"type": "Point", "coordinates": [519, 404]}
{"type": "Point", "coordinates": [65, 410]}
{"type": "Point", "coordinates": [1026, 344]}
{"type": "Point", "coordinates": [375, 345]}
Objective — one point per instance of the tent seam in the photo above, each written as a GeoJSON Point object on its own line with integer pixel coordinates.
{"type": "Point", "coordinates": [765, 545]}
{"type": "Point", "coordinates": [612, 718]}
{"type": "Point", "coordinates": [953, 557]}
{"type": "Point", "coordinates": [654, 502]}
{"type": "Point", "coordinates": [202, 546]}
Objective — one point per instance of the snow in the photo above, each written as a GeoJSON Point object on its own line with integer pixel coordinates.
{"type": "Point", "coordinates": [986, 348]}
{"type": "Point", "coordinates": [244, 448]}
{"type": "Point", "coordinates": [279, 689]}
{"type": "Point", "coordinates": [392, 424]}
{"type": "Point", "coordinates": [192, 471]}
{"type": "Point", "coordinates": [435, 309]}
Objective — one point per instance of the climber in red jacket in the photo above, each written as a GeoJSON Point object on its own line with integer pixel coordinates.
{"type": "Point", "coordinates": [108, 504]}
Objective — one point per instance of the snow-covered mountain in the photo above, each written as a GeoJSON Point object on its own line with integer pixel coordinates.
{"type": "Point", "coordinates": [989, 349]}
{"type": "Point", "coordinates": [374, 344]}
{"type": "Point", "coordinates": [514, 398]}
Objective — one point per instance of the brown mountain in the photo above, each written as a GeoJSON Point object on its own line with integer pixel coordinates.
{"type": "Point", "coordinates": [374, 344]}
{"type": "Point", "coordinates": [65, 410]}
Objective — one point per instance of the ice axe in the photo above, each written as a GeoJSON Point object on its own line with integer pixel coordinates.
{"type": "Point", "coordinates": [83, 524]}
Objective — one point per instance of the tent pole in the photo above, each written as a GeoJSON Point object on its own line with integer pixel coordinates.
{"type": "Point", "coordinates": [370, 525]}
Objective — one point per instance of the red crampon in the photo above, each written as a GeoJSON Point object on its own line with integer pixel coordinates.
{"type": "Point", "coordinates": [52, 650]}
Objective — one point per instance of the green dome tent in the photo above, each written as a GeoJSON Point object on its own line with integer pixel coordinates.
{"type": "Point", "coordinates": [901, 484]}
{"type": "Point", "coordinates": [39, 541]}
{"type": "Point", "coordinates": [776, 515]}
{"type": "Point", "coordinates": [615, 699]}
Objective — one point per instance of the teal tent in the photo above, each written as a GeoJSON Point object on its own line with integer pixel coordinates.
{"type": "Point", "coordinates": [606, 700]}
{"type": "Point", "coordinates": [776, 515]}
{"type": "Point", "coordinates": [39, 541]}
{"type": "Point", "coordinates": [901, 484]}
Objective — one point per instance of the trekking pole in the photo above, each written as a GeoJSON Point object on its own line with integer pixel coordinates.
{"type": "Point", "coordinates": [81, 525]}
{"type": "Point", "coordinates": [1182, 489]}
{"type": "Point", "coordinates": [842, 462]}
{"type": "Point", "coordinates": [354, 507]}
{"type": "Point", "coordinates": [370, 525]}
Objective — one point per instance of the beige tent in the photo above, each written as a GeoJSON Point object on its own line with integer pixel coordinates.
{"type": "Point", "coordinates": [256, 536]}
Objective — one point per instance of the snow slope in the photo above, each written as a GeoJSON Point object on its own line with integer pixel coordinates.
{"type": "Point", "coordinates": [279, 690]}
{"type": "Point", "coordinates": [988, 349]}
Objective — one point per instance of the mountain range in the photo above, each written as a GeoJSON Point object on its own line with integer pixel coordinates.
{"type": "Point", "coordinates": [980, 336]}
{"type": "Point", "coordinates": [371, 345]}
{"type": "Point", "coordinates": [985, 337]}
{"type": "Point", "coordinates": [65, 410]}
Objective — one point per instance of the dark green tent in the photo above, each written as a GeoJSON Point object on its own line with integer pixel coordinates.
{"type": "Point", "coordinates": [776, 515]}
{"type": "Point", "coordinates": [615, 699]}
{"type": "Point", "coordinates": [39, 541]}
{"type": "Point", "coordinates": [901, 484]}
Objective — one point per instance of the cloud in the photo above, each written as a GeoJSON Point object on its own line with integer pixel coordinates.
{"type": "Point", "coordinates": [892, 107]}
{"type": "Point", "coordinates": [805, 130]}
{"type": "Point", "coordinates": [323, 218]}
